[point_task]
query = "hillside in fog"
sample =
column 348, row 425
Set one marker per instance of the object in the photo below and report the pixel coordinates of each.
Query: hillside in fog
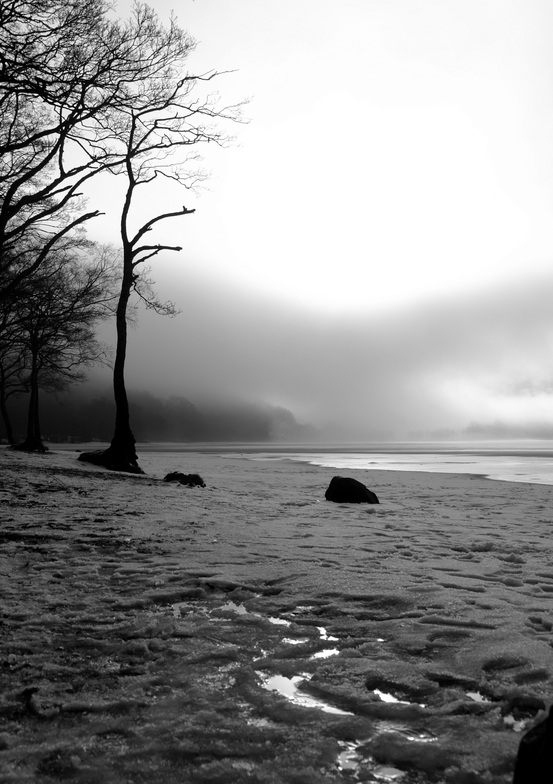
column 87, row 414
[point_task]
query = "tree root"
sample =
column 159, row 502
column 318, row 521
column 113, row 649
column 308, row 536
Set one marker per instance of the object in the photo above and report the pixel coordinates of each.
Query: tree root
column 113, row 460
column 30, row 446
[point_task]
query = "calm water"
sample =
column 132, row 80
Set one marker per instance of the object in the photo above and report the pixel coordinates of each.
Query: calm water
column 512, row 461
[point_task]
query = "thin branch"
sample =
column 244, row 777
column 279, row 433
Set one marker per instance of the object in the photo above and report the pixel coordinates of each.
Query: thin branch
column 149, row 224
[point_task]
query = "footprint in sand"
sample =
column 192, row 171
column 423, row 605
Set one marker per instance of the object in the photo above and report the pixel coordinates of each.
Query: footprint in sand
column 502, row 663
column 539, row 625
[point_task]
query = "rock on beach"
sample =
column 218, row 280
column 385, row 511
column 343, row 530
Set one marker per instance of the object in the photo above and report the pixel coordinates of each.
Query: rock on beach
column 345, row 490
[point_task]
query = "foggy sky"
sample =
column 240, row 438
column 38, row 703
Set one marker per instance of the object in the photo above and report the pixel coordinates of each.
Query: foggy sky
column 438, row 364
column 375, row 248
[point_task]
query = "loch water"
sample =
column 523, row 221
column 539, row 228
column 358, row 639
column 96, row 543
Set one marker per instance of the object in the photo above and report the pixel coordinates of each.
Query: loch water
column 529, row 461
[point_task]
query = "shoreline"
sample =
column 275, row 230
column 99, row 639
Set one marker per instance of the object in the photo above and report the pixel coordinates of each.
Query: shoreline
column 527, row 466
column 495, row 447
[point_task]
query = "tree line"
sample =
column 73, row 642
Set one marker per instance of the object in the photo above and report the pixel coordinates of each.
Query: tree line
column 85, row 95
column 85, row 414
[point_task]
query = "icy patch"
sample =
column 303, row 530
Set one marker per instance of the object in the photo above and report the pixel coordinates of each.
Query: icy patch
column 297, row 641
column 288, row 687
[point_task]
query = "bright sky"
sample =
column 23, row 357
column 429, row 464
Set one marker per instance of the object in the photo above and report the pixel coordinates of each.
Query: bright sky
column 396, row 149
column 398, row 157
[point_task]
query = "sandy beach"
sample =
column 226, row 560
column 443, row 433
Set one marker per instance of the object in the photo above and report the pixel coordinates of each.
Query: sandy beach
column 251, row 631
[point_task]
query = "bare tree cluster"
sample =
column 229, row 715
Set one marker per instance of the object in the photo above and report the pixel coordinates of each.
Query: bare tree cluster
column 83, row 93
column 50, row 335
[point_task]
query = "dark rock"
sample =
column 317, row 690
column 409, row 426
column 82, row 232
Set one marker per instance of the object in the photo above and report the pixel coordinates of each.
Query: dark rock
column 344, row 490
column 190, row 480
column 534, row 762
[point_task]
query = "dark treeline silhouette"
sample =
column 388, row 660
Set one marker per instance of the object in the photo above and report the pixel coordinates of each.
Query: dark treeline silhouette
column 86, row 415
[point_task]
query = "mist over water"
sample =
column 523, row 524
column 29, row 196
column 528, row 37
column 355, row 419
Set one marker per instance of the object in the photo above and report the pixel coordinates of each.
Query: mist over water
column 431, row 370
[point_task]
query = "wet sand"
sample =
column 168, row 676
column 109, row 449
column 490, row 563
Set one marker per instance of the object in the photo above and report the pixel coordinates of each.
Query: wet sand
column 144, row 624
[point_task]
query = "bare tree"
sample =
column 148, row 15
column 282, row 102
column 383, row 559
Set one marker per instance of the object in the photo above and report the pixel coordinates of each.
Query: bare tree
column 45, row 105
column 153, row 134
column 67, row 68
column 82, row 93
column 57, row 322
column 13, row 360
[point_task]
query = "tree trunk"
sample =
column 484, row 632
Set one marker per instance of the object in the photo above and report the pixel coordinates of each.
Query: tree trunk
column 4, row 409
column 33, row 440
column 121, row 454
column 123, row 443
column 6, row 419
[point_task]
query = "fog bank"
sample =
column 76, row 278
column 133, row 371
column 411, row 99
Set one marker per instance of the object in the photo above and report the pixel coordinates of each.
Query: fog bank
column 442, row 364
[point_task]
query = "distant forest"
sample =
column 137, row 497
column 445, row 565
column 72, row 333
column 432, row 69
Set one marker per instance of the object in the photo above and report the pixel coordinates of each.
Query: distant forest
column 88, row 415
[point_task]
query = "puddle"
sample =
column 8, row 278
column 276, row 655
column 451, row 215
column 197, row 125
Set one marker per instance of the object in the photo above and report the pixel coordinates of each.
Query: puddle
column 477, row 696
column 387, row 773
column 239, row 609
column 349, row 759
column 325, row 636
column 290, row 641
column 385, row 697
column 325, row 653
column 288, row 687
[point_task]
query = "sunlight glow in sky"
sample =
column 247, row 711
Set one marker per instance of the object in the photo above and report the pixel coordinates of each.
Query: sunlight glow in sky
column 378, row 239
column 396, row 149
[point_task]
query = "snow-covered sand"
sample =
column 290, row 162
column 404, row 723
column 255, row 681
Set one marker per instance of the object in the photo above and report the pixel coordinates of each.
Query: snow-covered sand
column 143, row 623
